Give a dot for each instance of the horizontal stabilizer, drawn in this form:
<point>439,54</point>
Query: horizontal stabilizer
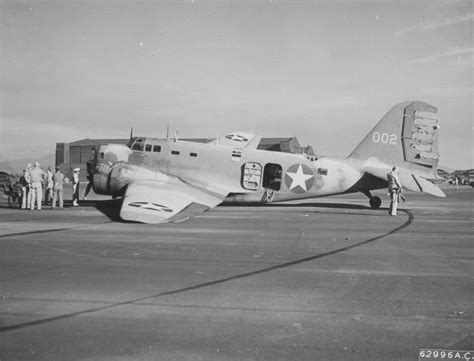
<point>409,181</point>
<point>429,187</point>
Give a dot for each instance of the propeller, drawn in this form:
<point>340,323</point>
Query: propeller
<point>90,173</point>
<point>131,138</point>
<point>87,190</point>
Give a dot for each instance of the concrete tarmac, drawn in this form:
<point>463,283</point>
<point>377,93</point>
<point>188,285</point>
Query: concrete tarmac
<point>323,279</point>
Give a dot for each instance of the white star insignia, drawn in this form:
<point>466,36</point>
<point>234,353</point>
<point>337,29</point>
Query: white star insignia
<point>236,137</point>
<point>299,178</point>
<point>150,206</point>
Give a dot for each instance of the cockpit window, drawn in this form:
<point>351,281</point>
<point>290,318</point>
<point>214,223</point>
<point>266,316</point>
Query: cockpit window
<point>138,146</point>
<point>148,148</point>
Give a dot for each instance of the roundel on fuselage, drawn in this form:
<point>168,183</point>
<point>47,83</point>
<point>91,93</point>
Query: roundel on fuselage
<point>299,178</point>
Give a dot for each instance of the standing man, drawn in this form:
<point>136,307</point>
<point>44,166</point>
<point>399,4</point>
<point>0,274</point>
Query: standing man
<point>29,197</point>
<point>456,183</point>
<point>75,187</point>
<point>395,190</point>
<point>37,177</point>
<point>49,186</point>
<point>25,184</point>
<point>58,180</point>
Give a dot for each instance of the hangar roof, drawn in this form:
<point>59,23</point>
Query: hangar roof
<point>87,141</point>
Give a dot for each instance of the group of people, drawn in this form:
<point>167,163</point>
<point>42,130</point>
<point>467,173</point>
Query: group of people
<point>34,179</point>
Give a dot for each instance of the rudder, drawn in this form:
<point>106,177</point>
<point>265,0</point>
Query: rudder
<point>406,136</point>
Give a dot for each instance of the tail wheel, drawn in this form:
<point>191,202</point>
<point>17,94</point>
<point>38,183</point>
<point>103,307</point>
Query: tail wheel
<point>375,202</point>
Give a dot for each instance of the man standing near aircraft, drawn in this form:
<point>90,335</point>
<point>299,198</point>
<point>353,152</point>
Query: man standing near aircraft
<point>75,187</point>
<point>395,190</point>
<point>456,183</point>
<point>58,180</point>
<point>48,195</point>
<point>37,176</point>
<point>25,184</point>
<point>29,191</point>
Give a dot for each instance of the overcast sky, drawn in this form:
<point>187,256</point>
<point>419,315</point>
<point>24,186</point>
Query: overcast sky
<point>323,71</point>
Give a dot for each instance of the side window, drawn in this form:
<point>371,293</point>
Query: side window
<point>148,148</point>
<point>157,148</point>
<point>251,175</point>
<point>193,154</point>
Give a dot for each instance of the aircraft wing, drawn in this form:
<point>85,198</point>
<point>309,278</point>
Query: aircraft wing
<point>246,139</point>
<point>152,201</point>
<point>410,181</point>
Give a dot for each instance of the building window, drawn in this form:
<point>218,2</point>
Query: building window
<point>148,147</point>
<point>193,154</point>
<point>175,152</point>
<point>157,148</point>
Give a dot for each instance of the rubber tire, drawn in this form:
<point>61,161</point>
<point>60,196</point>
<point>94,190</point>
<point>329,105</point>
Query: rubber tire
<point>375,202</point>
<point>14,203</point>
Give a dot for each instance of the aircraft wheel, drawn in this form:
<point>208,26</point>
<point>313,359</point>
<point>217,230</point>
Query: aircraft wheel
<point>375,202</point>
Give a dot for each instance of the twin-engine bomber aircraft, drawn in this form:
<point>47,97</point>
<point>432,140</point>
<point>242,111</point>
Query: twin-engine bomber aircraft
<point>170,180</point>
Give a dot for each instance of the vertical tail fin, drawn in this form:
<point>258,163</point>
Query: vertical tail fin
<point>406,136</point>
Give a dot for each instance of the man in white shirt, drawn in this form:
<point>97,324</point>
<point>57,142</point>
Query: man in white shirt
<point>75,187</point>
<point>37,176</point>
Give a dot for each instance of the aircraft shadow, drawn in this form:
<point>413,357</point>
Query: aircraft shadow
<point>110,208</point>
<point>309,204</point>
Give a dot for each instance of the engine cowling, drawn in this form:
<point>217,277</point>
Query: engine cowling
<point>100,178</point>
<point>104,168</point>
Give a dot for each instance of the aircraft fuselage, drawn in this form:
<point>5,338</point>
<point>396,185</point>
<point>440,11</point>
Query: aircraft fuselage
<point>253,175</point>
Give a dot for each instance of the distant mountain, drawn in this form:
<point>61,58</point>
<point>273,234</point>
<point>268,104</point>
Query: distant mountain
<point>17,165</point>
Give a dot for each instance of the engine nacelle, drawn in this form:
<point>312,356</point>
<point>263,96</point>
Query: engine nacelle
<point>108,179</point>
<point>100,178</point>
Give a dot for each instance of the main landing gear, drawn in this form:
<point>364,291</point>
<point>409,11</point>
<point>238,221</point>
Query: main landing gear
<point>375,202</point>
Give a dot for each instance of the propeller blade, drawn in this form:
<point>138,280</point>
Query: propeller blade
<point>87,190</point>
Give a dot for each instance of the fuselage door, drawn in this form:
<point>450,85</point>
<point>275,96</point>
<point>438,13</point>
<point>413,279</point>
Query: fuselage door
<point>251,175</point>
<point>272,176</point>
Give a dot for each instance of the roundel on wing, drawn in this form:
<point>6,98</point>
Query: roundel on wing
<point>236,137</point>
<point>299,178</point>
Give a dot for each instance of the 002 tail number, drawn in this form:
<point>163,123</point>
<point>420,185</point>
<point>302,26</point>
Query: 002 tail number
<point>384,138</point>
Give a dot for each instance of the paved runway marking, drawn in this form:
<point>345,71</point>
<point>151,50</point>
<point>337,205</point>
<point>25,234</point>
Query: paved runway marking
<point>48,230</point>
<point>205,284</point>
<point>38,231</point>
